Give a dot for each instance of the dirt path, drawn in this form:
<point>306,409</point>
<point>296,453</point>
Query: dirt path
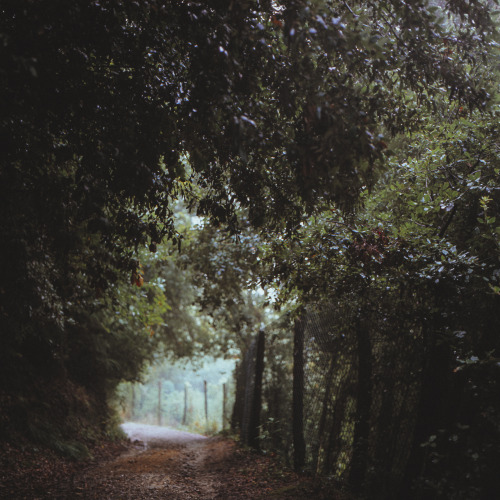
<point>161,464</point>
<point>158,463</point>
<point>165,464</point>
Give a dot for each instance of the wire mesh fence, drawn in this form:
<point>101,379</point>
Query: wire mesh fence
<point>358,395</point>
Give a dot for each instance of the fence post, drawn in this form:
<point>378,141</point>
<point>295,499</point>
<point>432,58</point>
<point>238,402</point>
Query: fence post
<point>299,445</point>
<point>224,399</point>
<point>184,416</point>
<point>159,402</point>
<point>253,430</point>
<point>132,410</point>
<point>206,403</point>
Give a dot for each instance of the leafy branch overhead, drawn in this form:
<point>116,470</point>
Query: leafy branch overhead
<point>281,114</point>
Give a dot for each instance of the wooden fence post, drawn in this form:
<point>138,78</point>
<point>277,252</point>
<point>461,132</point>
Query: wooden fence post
<point>184,416</point>
<point>224,399</point>
<point>159,402</point>
<point>206,403</point>
<point>132,410</point>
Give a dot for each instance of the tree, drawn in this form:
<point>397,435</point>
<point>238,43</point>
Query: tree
<point>111,112</point>
<point>423,252</point>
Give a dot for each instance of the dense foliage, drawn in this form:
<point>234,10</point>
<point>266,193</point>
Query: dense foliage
<point>424,253</point>
<point>260,116</point>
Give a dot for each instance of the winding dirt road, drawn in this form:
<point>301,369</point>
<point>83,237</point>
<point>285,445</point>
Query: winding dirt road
<point>162,463</point>
<point>166,464</point>
<point>157,463</point>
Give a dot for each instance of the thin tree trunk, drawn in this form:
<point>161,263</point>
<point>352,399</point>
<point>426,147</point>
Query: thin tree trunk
<point>253,431</point>
<point>434,394</point>
<point>324,413</point>
<point>363,407</point>
<point>299,445</point>
<point>249,387</point>
<point>334,446</point>
<point>239,397</point>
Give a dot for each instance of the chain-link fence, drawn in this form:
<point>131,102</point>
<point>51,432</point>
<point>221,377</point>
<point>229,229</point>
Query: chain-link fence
<point>348,389</point>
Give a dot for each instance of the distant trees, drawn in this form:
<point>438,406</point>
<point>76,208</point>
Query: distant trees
<point>175,392</point>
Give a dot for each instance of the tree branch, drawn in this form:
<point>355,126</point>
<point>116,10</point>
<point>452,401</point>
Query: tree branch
<point>448,221</point>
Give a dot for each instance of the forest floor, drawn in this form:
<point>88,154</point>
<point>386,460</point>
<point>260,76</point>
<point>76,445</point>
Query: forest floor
<point>161,466</point>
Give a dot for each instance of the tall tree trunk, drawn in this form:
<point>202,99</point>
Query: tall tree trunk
<point>253,431</point>
<point>434,398</point>
<point>364,401</point>
<point>239,397</point>
<point>249,387</point>
<point>299,445</point>
<point>324,414</point>
<point>334,445</point>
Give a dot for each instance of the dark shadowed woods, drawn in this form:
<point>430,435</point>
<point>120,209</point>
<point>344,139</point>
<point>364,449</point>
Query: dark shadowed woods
<point>308,188</point>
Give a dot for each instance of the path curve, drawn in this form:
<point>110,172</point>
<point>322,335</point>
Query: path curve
<point>154,436</point>
<point>165,464</point>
